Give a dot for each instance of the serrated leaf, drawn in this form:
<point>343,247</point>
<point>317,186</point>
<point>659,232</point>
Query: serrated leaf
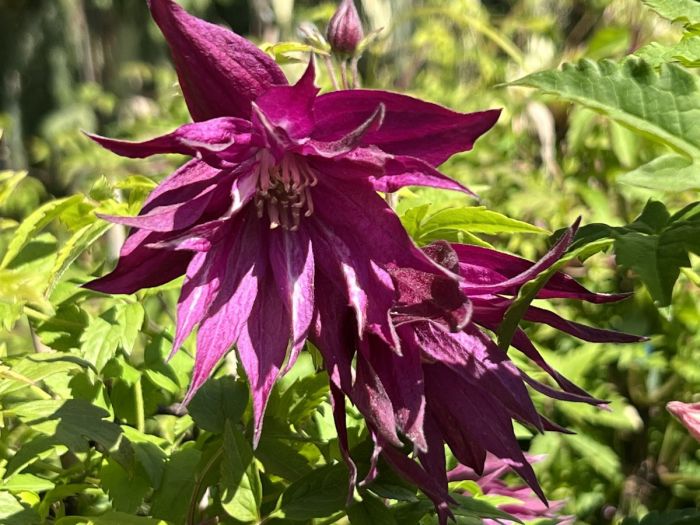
<point>686,52</point>
<point>677,10</point>
<point>126,490</point>
<point>33,224</point>
<point>241,491</point>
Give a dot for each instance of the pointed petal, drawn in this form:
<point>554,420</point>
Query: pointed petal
<point>220,72</point>
<point>411,127</point>
<point>348,142</point>
<point>404,171</point>
<point>142,267</point>
<point>237,271</point>
<point>586,333</point>
<point>338,405</point>
<point>173,217</point>
<point>292,263</point>
<point>262,347</point>
<point>484,266</point>
<point>205,139</point>
<point>189,180</point>
<point>284,113</point>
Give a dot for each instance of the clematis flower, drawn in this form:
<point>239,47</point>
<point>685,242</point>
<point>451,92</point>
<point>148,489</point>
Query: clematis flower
<point>451,384</point>
<point>688,414</point>
<point>521,503</point>
<point>278,206</point>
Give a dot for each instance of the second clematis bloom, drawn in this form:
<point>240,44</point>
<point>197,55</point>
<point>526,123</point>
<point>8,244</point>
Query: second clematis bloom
<point>451,384</point>
<point>278,209</point>
<point>688,414</point>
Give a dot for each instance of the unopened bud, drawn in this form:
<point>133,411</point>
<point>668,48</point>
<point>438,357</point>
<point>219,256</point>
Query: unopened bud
<point>345,29</point>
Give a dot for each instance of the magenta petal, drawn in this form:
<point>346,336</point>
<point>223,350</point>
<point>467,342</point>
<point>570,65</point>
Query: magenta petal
<point>262,347</point>
<point>338,404</point>
<point>404,171</point>
<point>411,127</point>
<point>292,262</point>
<point>349,142</point>
<point>220,72</point>
<point>206,139</point>
<point>140,266</point>
<point>168,218</point>
<point>185,183</point>
<point>402,377</point>
<point>586,333</point>
<point>284,113</point>
<point>237,276</point>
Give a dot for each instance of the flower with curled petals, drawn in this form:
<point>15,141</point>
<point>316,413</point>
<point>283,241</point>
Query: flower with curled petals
<point>451,384</point>
<point>279,205</point>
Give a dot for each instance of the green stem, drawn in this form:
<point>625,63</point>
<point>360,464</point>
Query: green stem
<point>192,510</point>
<point>140,412</point>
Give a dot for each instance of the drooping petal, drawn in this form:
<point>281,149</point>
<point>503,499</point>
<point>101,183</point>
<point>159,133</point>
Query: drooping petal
<point>411,127</point>
<point>140,266</point>
<point>220,72</point>
<point>292,263</point>
<point>339,414</point>
<point>402,377</point>
<point>219,142</point>
<point>183,184</point>
<point>238,273</point>
<point>404,171</point>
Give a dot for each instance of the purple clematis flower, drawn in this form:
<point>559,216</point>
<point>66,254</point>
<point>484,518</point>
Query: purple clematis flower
<point>278,207</point>
<point>451,384</point>
<point>524,504</point>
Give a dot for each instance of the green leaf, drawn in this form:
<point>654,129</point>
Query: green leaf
<point>216,402</point>
<point>117,327</point>
<point>172,499</point>
<point>26,482</point>
<point>469,507</point>
<point>126,490</point>
<point>370,511</point>
<point>677,10</point>
<point>33,224</point>
<point>281,459</point>
<point>600,457</point>
<point>472,220</point>
<point>110,518</point>
<point>687,52</point>
<point>63,330</point>
<point>670,172</point>
<point>72,248</point>
<point>320,493</point>
<point>13,513</point>
<point>75,423</point>
<point>241,491</point>
<point>662,105</point>
<point>8,183</point>
<point>32,369</point>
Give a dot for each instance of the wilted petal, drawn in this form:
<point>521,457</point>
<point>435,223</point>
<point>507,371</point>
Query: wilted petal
<point>220,72</point>
<point>411,126</point>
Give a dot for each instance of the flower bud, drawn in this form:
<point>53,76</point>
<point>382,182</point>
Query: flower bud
<point>345,29</point>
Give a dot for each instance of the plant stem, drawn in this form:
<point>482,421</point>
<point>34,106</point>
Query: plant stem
<point>331,72</point>
<point>140,412</point>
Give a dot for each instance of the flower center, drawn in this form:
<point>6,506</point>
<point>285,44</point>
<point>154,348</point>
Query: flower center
<point>284,190</point>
